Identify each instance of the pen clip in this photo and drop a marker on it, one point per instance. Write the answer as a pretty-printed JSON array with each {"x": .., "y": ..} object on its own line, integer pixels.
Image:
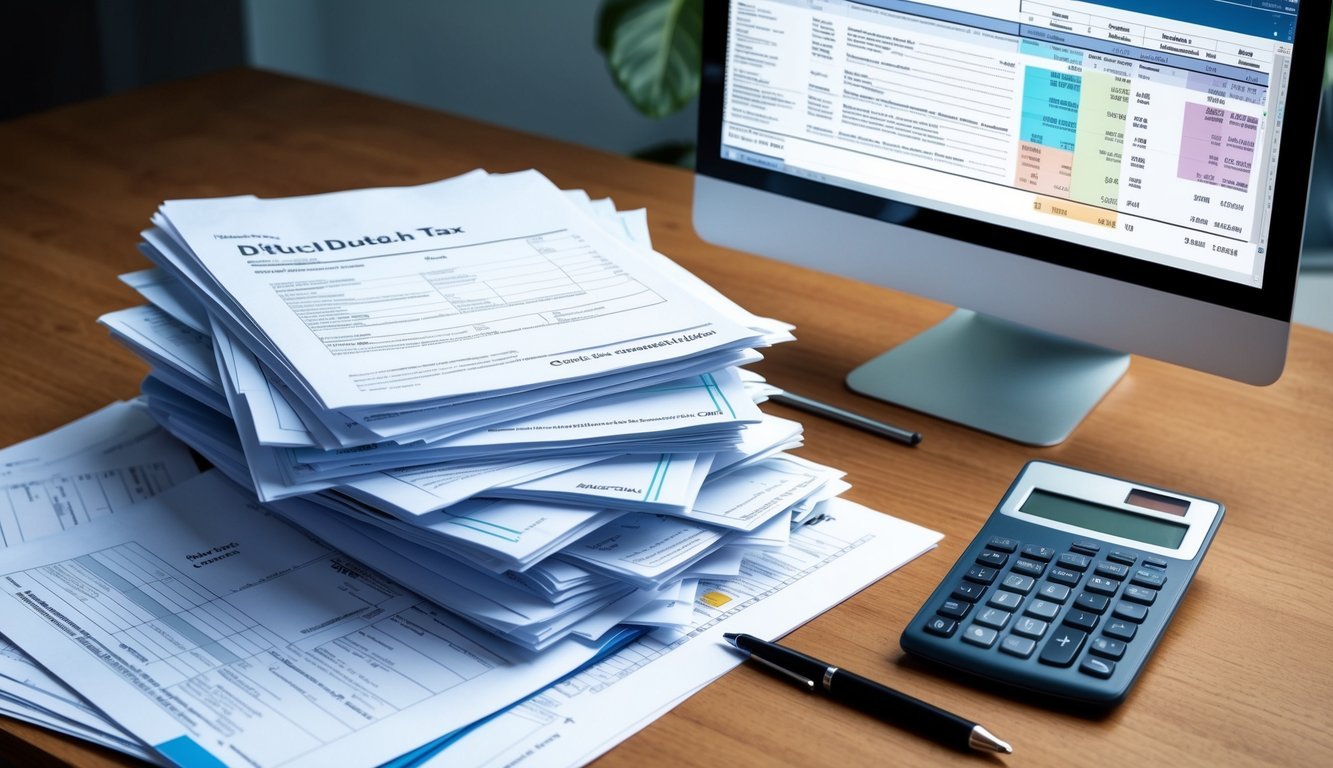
[{"x": 802, "y": 682}]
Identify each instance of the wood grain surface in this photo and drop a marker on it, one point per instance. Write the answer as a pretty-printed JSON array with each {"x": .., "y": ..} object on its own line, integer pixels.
[{"x": 1244, "y": 676}]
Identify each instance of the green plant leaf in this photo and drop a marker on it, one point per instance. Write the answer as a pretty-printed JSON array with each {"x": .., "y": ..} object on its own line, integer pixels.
[{"x": 653, "y": 50}]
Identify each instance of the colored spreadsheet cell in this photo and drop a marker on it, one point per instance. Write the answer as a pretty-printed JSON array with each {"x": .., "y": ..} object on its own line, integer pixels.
[
  {"x": 1050, "y": 108},
  {"x": 1103, "y": 101},
  {"x": 1217, "y": 146},
  {"x": 1088, "y": 214},
  {"x": 1044, "y": 170}
]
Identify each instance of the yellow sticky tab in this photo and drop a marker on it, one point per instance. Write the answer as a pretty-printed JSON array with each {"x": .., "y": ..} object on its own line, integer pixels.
[{"x": 715, "y": 599}]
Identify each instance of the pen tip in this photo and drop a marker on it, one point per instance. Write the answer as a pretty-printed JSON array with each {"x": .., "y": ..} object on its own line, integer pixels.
[
  {"x": 730, "y": 637},
  {"x": 983, "y": 740}
]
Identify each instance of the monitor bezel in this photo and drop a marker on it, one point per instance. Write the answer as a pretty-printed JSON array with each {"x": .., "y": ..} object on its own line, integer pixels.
[{"x": 1272, "y": 300}]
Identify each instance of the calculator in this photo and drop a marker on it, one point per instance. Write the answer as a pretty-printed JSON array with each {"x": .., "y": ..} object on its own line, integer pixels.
[{"x": 1069, "y": 586}]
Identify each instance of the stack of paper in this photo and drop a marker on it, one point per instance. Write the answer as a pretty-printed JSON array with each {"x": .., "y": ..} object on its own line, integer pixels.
[
  {"x": 471, "y": 319},
  {"x": 469, "y": 438},
  {"x": 488, "y": 389},
  {"x": 197, "y": 628}
]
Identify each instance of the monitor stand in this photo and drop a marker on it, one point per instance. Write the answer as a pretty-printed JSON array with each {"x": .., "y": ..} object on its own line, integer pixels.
[{"x": 995, "y": 376}]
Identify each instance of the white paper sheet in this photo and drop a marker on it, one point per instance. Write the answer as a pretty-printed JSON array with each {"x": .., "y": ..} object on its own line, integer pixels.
[
  {"x": 748, "y": 497},
  {"x": 711, "y": 403},
  {"x": 501, "y": 605},
  {"x": 647, "y": 549},
  {"x": 291, "y": 655},
  {"x": 485, "y": 297},
  {"x": 92, "y": 467},
  {"x": 168, "y": 295},
  {"x": 95, "y": 466},
  {"x": 666, "y": 483},
  {"x": 582, "y": 717},
  {"x": 407, "y": 492},
  {"x": 163, "y": 340}
]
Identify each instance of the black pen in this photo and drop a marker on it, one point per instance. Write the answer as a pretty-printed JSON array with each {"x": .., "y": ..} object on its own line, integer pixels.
[
  {"x": 870, "y": 697},
  {"x": 904, "y": 436}
]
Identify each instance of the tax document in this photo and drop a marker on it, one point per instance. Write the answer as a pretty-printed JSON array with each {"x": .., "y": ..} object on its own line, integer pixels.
[
  {"x": 221, "y": 635},
  {"x": 473, "y": 284}
]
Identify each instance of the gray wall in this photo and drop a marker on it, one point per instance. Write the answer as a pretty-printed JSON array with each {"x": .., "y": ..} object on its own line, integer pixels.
[
  {"x": 67, "y": 51},
  {"x": 525, "y": 64}
]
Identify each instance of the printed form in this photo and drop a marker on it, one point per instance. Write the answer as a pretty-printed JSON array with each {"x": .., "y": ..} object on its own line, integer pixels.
[
  {"x": 223, "y": 636},
  {"x": 89, "y": 468},
  {"x": 95, "y": 466},
  {"x": 484, "y": 279}
]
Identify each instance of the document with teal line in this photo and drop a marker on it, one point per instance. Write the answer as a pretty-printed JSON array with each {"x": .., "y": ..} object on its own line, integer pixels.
[{"x": 665, "y": 482}]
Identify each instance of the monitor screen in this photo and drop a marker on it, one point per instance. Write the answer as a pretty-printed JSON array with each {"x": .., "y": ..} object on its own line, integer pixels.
[{"x": 1147, "y": 143}]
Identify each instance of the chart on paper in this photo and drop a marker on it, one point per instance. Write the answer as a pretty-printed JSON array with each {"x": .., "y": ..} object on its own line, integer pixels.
[
  {"x": 199, "y": 655},
  {"x": 39, "y": 508}
]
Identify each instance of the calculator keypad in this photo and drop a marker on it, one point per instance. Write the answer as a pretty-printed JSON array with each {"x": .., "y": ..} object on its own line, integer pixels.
[
  {"x": 1054, "y": 600},
  {"x": 1021, "y": 647},
  {"x": 968, "y": 592},
  {"x": 1062, "y": 647},
  {"x": 1075, "y": 608},
  {"x": 1043, "y": 609}
]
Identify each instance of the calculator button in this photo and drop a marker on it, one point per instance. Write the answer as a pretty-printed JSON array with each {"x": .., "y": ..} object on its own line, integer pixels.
[
  {"x": 1120, "y": 630},
  {"x": 1055, "y": 592},
  {"x": 939, "y": 625},
  {"x": 1140, "y": 594},
  {"x": 1064, "y": 576},
  {"x": 1028, "y": 567},
  {"x": 1128, "y": 558},
  {"x": 969, "y": 592},
  {"x": 1009, "y": 601},
  {"x": 1090, "y": 602},
  {"x": 1086, "y": 547},
  {"x": 1074, "y": 562},
  {"x": 992, "y": 558},
  {"x": 993, "y": 617},
  {"x": 1155, "y": 562},
  {"x": 1021, "y": 647},
  {"x": 1150, "y": 579},
  {"x": 1105, "y": 646},
  {"x": 1113, "y": 570},
  {"x": 1097, "y": 667},
  {"x": 1081, "y": 619},
  {"x": 1102, "y": 585},
  {"x": 1002, "y": 543},
  {"x": 1130, "y": 612},
  {"x": 1042, "y": 609},
  {"x": 1035, "y": 552},
  {"x": 1062, "y": 648},
  {"x": 954, "y": 609},
  {"x": 1017, "y": 582},
  {"x": 1030, "y": 627},
  {"x": 981, "y": 574},
  {"x": 978, "y": 635}
]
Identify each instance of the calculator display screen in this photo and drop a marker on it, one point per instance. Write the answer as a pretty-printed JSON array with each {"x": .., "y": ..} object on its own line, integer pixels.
[{"x": 1096, "y": 517}]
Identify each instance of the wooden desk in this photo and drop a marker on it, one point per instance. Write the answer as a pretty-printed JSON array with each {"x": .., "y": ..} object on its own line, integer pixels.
[{"x": 1244, "y": 677}]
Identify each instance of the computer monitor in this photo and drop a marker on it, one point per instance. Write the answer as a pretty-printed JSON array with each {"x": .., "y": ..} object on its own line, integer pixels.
[{"x": 1084, "y": 179}]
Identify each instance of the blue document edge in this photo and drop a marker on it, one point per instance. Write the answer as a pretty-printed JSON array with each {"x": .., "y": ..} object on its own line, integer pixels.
[
  {"x": 188, "y": 753},
  {"x": 611, "y": 646}
]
